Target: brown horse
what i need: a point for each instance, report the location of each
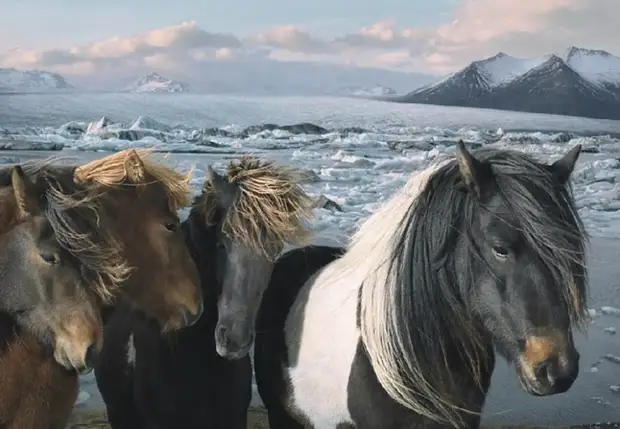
(129, 231)
(118, 216)
(48, 313)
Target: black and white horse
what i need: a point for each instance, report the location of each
(477, 254)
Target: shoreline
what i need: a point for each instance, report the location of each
(257, 419)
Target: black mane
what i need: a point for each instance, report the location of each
(431, 308)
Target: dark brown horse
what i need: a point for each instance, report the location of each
(118, 216)
(50, 324)
(122, 213)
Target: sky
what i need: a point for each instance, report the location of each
(82, 37)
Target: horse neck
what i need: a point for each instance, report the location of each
(200, 240)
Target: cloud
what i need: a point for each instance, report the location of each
(476, 29)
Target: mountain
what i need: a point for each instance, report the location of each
(31, 81)
(583, 83)
(596, 66)
(154, 82)
(256, 77)
(553, 87)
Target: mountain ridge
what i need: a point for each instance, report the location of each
(31, 81)
(582, 82)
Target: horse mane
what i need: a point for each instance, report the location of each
(270, 210)
(410, 305)
(111, 172)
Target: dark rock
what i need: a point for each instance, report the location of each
(216, 132)
(310, 176)
(322, 202)
(301, 128)
(304, 128)
(590, 149)
(352, 130)
(255, 129)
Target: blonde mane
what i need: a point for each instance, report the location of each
(111, 171)
(270, 210)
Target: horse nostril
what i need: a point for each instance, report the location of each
(545, 372)
(221, 336)
(90, 359)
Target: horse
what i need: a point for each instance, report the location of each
(50, 324)
(129, 232)
(201, 376)
(118, 217)
(477, 254)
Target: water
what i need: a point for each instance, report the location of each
(357, 168)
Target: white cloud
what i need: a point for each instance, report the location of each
(477, 29)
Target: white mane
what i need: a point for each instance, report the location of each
(370, 246)
(369, 254)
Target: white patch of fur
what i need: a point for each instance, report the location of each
(131, 352)
(327, 321)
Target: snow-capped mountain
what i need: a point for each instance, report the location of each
(553, 87)
(154, 82)
(599, 67)
(581, 83)
(474, 81)
(13, 80)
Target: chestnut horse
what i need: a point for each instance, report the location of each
(119, 216)
(202, 376)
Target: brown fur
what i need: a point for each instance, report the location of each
(21, 403)
(271, 207)
(113, 219)
(35, 390)
(542, 346)
(103, 220)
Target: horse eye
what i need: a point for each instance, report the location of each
(50, 258)
(500, 252)
(171, 226)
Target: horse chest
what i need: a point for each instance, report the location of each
(322, 336)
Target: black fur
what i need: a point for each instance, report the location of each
(179, 381)
(492, 252)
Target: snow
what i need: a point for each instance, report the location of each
(599, 67)
(13, 80)
(153, 82)
(502, 69)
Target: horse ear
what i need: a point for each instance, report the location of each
(563, 167)
(25, 192)
(225, 192)
(136, 172)
(475, 174)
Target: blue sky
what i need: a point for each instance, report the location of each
(82, 37)
(46, 24)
